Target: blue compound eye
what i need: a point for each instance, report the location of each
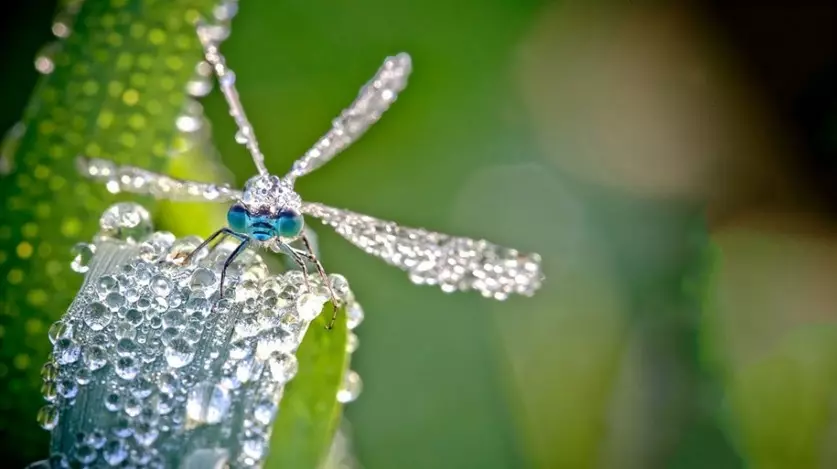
(288, 224)
(237, 217)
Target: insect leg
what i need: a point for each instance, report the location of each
(212, 237)
(231, 258)
(310, 255)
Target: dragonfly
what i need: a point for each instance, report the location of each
(268, 213)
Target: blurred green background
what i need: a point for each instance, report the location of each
(673, 165)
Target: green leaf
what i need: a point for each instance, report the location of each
(309, 413)
(116, 88)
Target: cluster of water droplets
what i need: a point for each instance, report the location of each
(166, 363)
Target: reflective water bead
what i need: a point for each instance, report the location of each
(66, 351)
(58, 330)
(127, 368)
(202, 278)
(309, 306)
(143, 304)
(95, 357)
(165, 403)
(49, 392)
(282, 366)
(97, 316)
(167, 383)
(169, 334)
(142, 276)
(96, 439)
(84, 376)
(350, 388)
(159, 304)
(134, 316)
(127, 221)
(241, 349)
(132, 295)
(354, 315)
(155, 322)
(179, 353)
(132, 406)
(114, 300)
(197, 305)
(113, 402)
(49, 371)
(173, 318)
(48, 417)
(85, 453)
(340, 286)
(160, 285)
(254, 448)
(67, 387)
(192, 333)
(273, 340)
(145, 433)
(142, 387)
(352, 342)
(115, 452)
(126, 347)
(122, 427)
(125, 330)
(106, 284)
(207, 403)
(264, 412)
(82, 255)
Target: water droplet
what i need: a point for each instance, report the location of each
(165, 403)
(114, 452)
(97, 316)
(192, 333)
(197, 305)
(48, 417)
(145, 433)
(202, 279)
(125, 330)
(82, 255)
(67, 388)
(351, 387)
(143, 304)
(173, 318)
(122, 427)
(106, 284)
(352, 342)
(240, 349)
(126, 347)
(48, 371)
(45, 58)
(160, 286)
(309, 306)
(132, 295)
(253, 448)
(85, 453)
(59, 330)
(207, 403)
(179, 353)
(126, 221)
(159, 304)
(354, 315)
(127, 368)
(265, 412)
(67, 351)
(142, 388)
(282, 366)
(241, 137)
(167, 383)
(113, 402)
(48, 391)
(83, 376)
(273, 340)
(114, 301)
(169, 334)
(133, 406)
(340, 286)
(95, 439)
(95, 357)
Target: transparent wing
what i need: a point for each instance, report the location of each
(453, 263)
(140, 181)
(373, 100)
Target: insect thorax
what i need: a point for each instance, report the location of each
(269, 194)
